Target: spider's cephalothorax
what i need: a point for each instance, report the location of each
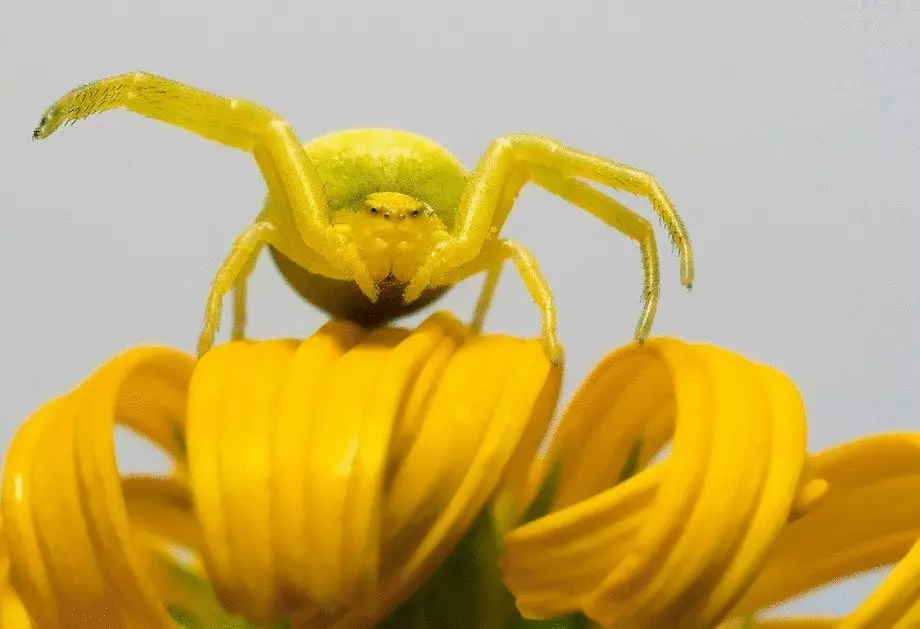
(373, 224)
(393, 194)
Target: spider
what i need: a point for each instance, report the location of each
(373, 224)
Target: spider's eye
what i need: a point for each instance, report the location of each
(415, 212)
(374, 210)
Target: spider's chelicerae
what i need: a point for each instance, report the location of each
(371, 224)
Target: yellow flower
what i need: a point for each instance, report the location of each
(330, 482)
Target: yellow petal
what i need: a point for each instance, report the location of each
(869, 517)
(786, 623)
(73, 558)
(324, 479)
(679, 542)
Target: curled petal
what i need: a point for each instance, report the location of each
(74, 558)
(677, 544)
(869, 518)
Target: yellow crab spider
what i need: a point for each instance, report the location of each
(372, 224)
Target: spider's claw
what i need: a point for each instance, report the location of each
(362, 278)
(421, 281)
(414, 289)
(38, 133)
(46, 126)
(367, 286)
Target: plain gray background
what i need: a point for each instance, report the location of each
(787, 133)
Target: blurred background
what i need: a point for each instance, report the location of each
(787, 134)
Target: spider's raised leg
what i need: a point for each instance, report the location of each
(239, 123)
(558, 169)
(231, 121)
(491, 259)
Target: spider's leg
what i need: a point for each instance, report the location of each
(240, 302)
(307, 259)
(548, 164)
(486, 295)
(240, 310)
(242, 256)
(232, 121)
(515, 180)
(545, 151)
(235, 122)
(491, 259)
(621, 218)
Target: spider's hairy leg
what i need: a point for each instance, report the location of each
(621, 218)
(231, 121)
(235, 122)
(240, 260)
(545, 151)
(491, 258)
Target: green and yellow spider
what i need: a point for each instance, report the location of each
(372, 224)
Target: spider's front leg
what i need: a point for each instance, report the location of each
(510, 162)
(300, 204)
(242, 124)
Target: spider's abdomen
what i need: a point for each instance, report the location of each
(357, 162)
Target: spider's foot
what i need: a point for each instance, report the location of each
(686, 275)
(205, 341)
(553, 348)
(47, 125)
(640, 335)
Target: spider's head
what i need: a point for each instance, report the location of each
(392, 231)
